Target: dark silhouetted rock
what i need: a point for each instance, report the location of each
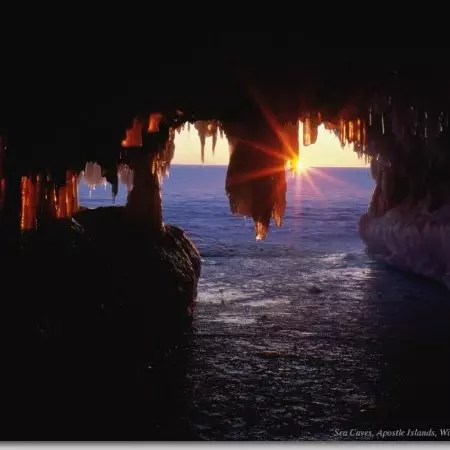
(98, 275)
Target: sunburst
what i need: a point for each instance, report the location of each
(300, 166)
(296, 166)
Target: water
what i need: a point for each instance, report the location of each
(303, 335)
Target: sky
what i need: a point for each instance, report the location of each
(326, 152)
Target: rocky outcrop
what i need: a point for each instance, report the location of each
(99, 274)
(90, 304)
(408, 218)
(385, 104)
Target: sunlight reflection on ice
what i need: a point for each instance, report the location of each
(233, 319)
(266, 302)
(223, 294)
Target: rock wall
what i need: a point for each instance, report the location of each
(397, 121)
(117, 271)
(408, 219)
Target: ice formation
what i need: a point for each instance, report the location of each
(407, 219)
(125, 176)
(210, 128)
(93, 175)
(42, 198)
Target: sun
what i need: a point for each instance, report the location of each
(299, 166)
(296, 166)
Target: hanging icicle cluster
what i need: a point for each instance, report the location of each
(350, 131)
(311, 123)
(409, 144)
(256, 178)
(40, 199)
(400, 138)
(210, 128)
(125, 175)
(161, 163)
(93, 175)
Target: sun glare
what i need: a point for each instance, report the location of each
(325, 152)
(300, 166)
(296, 166)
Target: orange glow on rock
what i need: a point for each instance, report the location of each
(28, 204)
(153, 122)
(133, 135)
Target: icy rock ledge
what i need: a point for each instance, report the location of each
(414, 241)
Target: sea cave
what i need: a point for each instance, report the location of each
(99, 331)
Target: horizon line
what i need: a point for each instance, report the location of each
(312, 167)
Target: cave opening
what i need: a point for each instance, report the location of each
(292, 304)
(306, 304)
(201, 147)
(204, 143)
(299, 332)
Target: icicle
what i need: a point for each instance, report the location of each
(277, 217)
(350, 131)
(202, 129)
(72, 192)
(279, 197)
(382, 123)
(314, 130)
(364, 136)
(153, 123)
(32, 204)
(61, 202)
(23, 202)
(256, 181)
(358, 131)
(214, 142)
(342, 132)
(125, 175)
(307, 131)
(261, 230)
(202, 147)
(164, 158)
(28, 204)
(93, 175)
